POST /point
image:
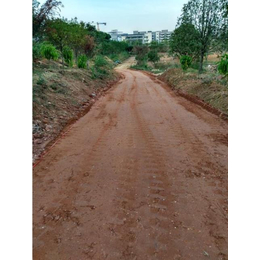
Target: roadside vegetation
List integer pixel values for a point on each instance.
(198, 48)
(72, 64)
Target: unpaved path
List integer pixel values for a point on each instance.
(142, 176)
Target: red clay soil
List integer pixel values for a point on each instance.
(143, 175)
(192, 98)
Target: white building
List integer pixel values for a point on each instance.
(144, 37)
(160, 36)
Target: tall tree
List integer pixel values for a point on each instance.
(42, 13)
(185, 40)
(206, 16)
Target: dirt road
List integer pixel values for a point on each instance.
(142, 176)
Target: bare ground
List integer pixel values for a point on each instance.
(143, 175)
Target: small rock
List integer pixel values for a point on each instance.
(93, 95)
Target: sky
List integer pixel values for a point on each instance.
(126, 16)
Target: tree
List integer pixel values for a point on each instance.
(141, 54)
(89, 45)
(77, 40)
(206, 16)
(59, 34)
(185, 41)
(41, 14)
(222, 41)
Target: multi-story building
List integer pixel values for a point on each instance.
(115, 35)
(164, 35)
(144, 37)
(160, 36)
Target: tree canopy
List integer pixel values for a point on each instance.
(185, 40)
(209, 17)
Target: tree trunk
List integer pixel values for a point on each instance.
(201, 62)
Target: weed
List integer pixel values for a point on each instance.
(82, 61)
(41, 81)
(49, 51)
(100, 61)
(54, 86)
(68, 55)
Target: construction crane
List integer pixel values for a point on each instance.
(99, 24)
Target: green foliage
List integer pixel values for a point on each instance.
(113, 47)
(41, 14)
(58, 32)
(223, 65)
(185, 40)
(41, 81)
(36, 51)
(68, 55)
(101, 67)
(141, 54)
(119, 57)
(185, 62)
(82, 60)
(49, 51)
(100, 61)
(153, 56)
(208, 18)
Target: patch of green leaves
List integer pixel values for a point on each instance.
(223, 65)
(185, 61)
(82, 61)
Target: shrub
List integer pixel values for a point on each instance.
(100, 61)
(36, 51)
(68, 55)
(153, 56)
(49, 51)
(141, 55)
(223, 65)
(185, 62)
(82, 60)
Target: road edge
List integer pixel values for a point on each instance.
(194, 99)
(73, 120)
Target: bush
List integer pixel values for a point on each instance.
(153, 56)
(49, 51)
(82, 60)
(100, 61)
(36, 51)
(68, 55)
(185, 62)
(223, 65)
(141, 55)
(101, 67)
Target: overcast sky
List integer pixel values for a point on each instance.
(126, 16)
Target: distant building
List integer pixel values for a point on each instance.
(144, 37)
(161, 36)
(115, 35)
(135, 36)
